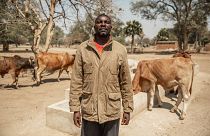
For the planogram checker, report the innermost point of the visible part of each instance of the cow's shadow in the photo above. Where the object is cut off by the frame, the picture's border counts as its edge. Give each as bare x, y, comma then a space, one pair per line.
13, 87
168, 105
49, 80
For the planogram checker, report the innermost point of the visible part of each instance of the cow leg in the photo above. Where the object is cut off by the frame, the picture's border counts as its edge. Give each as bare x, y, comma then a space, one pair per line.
185, 105
179, 100
186, 99
59, 74
150, 97
38, 74
15, 79
34, 72
158, 96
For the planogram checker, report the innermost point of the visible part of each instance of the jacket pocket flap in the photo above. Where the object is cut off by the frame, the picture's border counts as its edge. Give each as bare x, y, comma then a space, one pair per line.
86, 93
114, 96
113, 71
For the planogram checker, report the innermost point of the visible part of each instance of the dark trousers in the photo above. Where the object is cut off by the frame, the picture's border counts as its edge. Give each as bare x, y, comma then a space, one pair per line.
110, 128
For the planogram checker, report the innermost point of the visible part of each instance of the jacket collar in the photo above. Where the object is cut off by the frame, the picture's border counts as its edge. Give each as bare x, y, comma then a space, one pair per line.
92, 44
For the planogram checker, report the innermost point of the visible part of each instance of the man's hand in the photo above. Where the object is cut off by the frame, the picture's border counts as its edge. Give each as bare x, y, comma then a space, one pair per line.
77, 118
126, 118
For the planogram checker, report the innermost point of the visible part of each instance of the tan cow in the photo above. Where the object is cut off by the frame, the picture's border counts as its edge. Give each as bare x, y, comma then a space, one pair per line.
51, 62
169, 73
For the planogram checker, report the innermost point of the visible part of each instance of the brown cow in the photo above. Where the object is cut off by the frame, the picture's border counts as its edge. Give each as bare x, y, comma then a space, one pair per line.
51, 62
168, 73
14, 65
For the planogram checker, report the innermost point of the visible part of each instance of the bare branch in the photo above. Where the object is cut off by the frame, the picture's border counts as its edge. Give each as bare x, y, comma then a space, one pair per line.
42, 8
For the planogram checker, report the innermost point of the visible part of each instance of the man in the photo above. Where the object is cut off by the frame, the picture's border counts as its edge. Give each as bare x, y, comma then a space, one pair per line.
100, 79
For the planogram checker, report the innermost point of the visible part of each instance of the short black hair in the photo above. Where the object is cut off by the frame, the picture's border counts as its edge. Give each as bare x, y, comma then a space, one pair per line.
103, 14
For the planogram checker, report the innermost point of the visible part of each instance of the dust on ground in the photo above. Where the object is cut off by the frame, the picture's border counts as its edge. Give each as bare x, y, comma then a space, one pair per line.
22, 111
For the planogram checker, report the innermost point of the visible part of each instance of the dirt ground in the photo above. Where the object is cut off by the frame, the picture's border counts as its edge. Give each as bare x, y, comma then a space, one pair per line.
22, 111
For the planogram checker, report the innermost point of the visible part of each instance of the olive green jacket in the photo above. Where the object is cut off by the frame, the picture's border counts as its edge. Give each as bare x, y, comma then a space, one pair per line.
100, 81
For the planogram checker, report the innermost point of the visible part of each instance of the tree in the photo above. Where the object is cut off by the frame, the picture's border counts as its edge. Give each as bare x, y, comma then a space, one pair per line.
146, 42
166, 34
163, 34
180, 11
58, 36
13, 28
77, 33
133, 28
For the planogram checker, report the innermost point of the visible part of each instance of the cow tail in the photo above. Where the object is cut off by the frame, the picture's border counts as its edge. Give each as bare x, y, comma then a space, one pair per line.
136, 79
192, 80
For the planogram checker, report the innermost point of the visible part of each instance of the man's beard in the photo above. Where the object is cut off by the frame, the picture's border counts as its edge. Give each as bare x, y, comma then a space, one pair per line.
104, 35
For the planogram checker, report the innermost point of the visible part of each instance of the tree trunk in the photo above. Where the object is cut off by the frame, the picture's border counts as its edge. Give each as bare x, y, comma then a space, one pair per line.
51, 25
5, 47
180, 43
132, 43
185, 47
196, 41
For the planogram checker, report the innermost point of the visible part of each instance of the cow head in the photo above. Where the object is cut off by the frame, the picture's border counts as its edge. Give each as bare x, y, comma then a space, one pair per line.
23, 62
32, 61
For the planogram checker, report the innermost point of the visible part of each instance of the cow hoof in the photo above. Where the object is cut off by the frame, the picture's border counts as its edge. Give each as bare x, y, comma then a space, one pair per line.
160, 104
150, 109
182, 116
173, 109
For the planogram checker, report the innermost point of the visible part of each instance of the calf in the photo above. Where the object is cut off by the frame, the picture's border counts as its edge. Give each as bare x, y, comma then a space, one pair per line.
51, 62
14, 65
169, 73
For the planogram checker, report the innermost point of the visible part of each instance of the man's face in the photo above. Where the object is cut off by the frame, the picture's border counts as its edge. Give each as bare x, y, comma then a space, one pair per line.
103, 26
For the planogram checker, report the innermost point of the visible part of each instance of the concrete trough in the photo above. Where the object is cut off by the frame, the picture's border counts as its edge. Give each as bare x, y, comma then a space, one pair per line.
60, 118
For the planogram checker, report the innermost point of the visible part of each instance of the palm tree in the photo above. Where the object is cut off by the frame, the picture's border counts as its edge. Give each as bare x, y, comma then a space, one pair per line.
133, 28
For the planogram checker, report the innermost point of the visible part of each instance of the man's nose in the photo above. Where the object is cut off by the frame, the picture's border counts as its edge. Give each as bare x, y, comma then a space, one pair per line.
103, 23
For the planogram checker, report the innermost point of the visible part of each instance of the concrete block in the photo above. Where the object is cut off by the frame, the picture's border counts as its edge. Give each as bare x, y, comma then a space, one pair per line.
60, 118
67, 93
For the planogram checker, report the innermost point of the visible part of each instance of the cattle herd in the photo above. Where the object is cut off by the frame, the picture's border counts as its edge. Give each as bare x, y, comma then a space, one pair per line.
49, 62
177, 71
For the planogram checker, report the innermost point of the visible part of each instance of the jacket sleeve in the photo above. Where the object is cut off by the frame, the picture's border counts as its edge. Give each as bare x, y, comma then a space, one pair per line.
76, 83
125, 85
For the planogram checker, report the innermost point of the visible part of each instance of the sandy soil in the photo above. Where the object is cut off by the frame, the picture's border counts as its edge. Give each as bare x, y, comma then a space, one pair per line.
22, 111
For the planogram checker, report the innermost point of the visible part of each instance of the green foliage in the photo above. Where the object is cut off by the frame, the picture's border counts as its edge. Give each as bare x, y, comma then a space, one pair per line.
117, 27
13, 29
189, 15
120, 39
163, 34
133, 28
58, 36
77, 33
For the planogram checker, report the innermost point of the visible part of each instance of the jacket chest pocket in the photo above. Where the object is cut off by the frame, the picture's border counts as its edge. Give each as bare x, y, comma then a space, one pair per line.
114, 72
88, 70
113, 103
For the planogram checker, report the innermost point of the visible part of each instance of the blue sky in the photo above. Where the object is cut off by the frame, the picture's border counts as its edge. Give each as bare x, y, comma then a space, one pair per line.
150, 28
